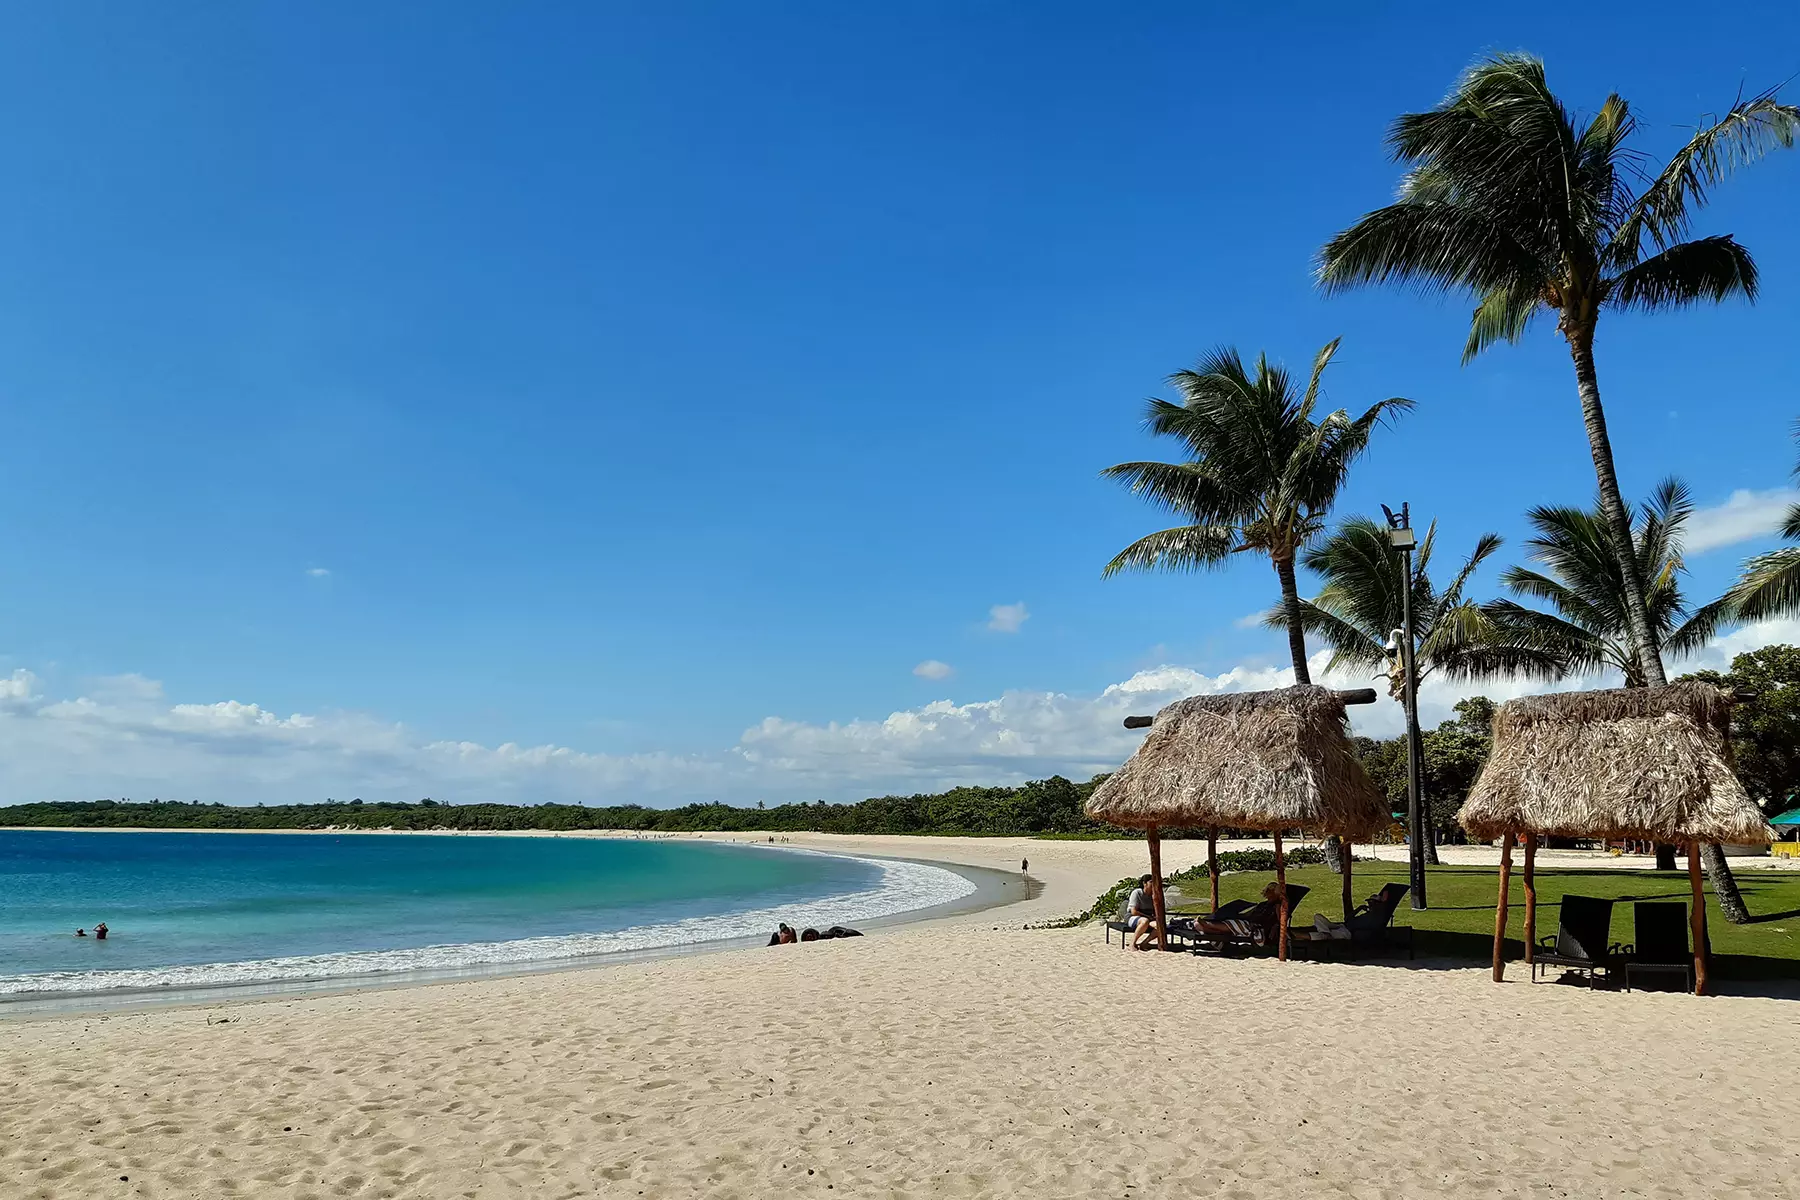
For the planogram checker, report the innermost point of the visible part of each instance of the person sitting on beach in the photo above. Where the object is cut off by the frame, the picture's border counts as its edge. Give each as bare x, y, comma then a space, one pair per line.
100, 931
809, 935
1140, 915
783, 936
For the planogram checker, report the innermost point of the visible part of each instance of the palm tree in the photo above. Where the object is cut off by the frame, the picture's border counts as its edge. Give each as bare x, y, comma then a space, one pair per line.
1360, 605
1261, 476
1770, 584
1585, 628
1507, 199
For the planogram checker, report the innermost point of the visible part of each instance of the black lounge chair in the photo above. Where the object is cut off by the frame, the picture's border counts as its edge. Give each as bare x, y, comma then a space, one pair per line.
1182, 925
1661, 948
1178, 924
1257, 925
1373, 921
1580, 940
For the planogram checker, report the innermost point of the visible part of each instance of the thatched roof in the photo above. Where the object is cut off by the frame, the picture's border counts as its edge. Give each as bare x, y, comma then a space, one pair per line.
1248, 760
1627, 762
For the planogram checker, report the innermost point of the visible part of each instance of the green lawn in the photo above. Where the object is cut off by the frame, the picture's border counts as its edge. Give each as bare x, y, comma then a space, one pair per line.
1460, 921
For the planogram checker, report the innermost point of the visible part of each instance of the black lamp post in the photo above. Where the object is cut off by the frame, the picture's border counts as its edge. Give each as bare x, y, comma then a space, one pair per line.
1400, 537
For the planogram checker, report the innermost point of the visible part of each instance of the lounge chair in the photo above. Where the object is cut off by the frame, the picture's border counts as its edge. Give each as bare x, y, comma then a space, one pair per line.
1177, 924
1661, 948
1373, 921
1182, 926
1580, 940
1257, 925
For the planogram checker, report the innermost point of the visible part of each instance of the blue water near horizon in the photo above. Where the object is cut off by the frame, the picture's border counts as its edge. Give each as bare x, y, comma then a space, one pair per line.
198, 909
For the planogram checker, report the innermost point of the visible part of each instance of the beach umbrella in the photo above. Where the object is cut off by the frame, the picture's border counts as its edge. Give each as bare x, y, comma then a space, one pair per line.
1272, 760
1651, 763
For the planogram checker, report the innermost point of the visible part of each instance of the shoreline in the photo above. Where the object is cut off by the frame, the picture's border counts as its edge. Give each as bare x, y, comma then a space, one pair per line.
990, 889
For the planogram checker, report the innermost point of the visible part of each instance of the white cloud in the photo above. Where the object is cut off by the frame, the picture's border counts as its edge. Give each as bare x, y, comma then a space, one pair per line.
1007, 618
19, 688
318, 572
1743, 516
1251, 620
931, 668
123, 736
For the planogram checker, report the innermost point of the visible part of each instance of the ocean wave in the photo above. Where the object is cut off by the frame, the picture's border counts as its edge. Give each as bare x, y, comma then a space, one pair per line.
903, 887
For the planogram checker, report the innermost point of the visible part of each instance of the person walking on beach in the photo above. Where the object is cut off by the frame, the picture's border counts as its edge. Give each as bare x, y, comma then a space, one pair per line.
1140, 915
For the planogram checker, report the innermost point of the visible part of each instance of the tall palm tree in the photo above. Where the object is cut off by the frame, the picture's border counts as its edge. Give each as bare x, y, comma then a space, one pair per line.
1770, 583
1585, 588
1583, 628
1261, 474
1508, 199
1361, 603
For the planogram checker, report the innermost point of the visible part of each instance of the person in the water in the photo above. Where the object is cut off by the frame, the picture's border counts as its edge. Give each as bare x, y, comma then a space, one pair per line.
100, 931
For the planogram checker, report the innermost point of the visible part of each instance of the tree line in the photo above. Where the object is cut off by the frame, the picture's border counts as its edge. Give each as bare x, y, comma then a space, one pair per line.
1765, 743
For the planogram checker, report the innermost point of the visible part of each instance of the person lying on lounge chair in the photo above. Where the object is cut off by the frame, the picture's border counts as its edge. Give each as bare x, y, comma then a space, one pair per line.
1243, 924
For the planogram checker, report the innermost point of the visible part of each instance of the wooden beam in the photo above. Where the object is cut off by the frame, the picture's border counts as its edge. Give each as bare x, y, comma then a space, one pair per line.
1156, 889
1698, 918
1530, 895
1212, 864
1500, 909
1281, 881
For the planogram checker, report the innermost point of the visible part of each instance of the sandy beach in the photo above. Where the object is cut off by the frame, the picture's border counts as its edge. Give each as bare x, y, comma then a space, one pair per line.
962, 1057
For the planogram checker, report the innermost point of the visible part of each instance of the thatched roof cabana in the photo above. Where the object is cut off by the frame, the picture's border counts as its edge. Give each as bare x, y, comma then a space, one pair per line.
1651, 763
1246, 760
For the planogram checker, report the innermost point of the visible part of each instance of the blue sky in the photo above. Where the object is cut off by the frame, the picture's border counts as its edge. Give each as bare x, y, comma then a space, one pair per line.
598, 383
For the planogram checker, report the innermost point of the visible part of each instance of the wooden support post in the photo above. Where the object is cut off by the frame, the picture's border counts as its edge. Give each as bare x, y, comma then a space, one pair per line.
1698, 919
1500, 909
1212, 864
1281, 881
1349, 903
1530, 895
1156, 889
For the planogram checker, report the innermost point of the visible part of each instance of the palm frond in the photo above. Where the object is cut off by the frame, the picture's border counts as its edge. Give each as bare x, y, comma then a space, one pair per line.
1710, 268
1749, 131
1503, 315
1184, 548
1351, 646
1768, 587
1695, 633
1436, 247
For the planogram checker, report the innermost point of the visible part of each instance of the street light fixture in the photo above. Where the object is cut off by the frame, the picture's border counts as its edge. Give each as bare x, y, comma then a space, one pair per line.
1401, 538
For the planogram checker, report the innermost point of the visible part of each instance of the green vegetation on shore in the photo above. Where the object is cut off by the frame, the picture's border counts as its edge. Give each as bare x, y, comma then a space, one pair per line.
1051, 805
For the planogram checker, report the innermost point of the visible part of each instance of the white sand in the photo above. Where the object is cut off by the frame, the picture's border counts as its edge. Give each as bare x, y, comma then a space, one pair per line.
947, 1059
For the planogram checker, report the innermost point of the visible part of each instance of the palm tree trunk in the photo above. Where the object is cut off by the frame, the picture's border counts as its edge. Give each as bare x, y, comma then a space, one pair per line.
1637, 609
1290, 606
1724, 884
1618, 519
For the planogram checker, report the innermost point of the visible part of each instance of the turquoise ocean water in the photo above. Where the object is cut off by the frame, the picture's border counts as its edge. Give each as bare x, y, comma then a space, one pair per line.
206, 909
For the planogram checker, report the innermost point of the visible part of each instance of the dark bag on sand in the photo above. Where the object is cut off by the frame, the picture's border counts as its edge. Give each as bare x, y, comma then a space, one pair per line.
838, 931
